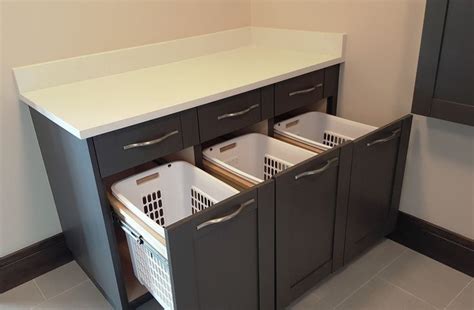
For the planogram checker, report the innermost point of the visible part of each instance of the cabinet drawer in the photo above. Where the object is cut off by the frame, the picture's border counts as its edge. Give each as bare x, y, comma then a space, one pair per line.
203, 252
299, 91
305, 211
227, 115
378, 162
135, 145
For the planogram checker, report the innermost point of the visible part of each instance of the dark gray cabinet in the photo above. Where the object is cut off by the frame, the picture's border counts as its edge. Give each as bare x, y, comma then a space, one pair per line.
305, 206
283, 235
445, 74
378, 162
225, 265
309, 199
299, 91
230, 114
135, 145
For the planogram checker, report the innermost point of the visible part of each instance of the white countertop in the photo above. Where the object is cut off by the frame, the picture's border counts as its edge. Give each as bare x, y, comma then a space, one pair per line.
90, 107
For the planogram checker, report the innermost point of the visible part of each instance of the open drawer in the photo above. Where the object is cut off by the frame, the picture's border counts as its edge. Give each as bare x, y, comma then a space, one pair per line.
306, 203
376, 171
196, 261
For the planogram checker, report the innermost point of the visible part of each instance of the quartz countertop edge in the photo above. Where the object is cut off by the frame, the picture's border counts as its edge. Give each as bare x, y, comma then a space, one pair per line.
102, 104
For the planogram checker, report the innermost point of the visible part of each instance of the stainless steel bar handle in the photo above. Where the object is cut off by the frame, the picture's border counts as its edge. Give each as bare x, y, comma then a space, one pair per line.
392, 136
234, 114
317, 171
151, 142
227, 217
305, 91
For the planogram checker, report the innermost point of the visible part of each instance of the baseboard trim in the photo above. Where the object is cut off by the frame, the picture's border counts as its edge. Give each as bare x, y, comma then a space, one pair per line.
33, 261
436, 242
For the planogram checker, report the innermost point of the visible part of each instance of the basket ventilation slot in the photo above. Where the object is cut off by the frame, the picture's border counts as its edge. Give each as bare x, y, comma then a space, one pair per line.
272, 165
331, 138
200, 200
153, 207
157, 278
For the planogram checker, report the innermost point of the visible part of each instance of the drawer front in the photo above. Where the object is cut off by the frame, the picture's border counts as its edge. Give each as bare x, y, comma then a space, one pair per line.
135, 145
378, 159
305, 205
299, 91
206, 251
227, 115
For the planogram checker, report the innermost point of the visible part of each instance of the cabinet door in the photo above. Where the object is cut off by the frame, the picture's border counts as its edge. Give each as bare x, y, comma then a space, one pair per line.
378, 163
445, 72
222, 257
305, 215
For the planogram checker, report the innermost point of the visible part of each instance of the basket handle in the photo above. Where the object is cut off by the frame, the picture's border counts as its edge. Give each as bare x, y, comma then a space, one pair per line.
227, 217
150, 142
394, 134
305, 91
317, 171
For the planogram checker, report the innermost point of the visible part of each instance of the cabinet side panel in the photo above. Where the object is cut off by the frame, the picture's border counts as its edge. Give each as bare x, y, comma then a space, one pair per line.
343, 184
84, 219
399, 173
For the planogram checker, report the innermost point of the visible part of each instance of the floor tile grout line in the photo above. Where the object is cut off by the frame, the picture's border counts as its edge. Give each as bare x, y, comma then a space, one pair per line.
62, 293
408, 292
458, 294
39, 289
371, 278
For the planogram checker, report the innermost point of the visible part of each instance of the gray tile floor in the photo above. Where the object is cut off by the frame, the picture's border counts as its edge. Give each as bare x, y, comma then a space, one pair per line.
389, 276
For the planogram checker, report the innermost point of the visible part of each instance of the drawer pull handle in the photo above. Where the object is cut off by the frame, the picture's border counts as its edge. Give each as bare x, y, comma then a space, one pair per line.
305, 91
227, 217
151, 142
234, 114
394, 134
317, 171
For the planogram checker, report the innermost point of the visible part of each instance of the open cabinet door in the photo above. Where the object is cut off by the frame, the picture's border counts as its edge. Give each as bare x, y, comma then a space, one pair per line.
378, 165
222, 257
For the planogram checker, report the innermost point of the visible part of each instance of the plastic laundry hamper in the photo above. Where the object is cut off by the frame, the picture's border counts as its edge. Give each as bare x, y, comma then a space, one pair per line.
255, 157
321, 130
157, 198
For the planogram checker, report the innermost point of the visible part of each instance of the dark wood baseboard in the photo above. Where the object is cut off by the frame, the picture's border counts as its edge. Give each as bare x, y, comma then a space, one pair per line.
33, 261
436, 242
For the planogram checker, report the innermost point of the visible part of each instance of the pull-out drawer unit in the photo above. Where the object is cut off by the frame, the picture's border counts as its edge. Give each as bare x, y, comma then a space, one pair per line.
185, 230
320, 130
377, 165
299, 91
254, 157
229, 114
135, 145
306, 191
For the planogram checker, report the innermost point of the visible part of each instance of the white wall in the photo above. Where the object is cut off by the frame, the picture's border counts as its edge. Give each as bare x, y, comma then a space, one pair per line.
39, 31
439, 176
377, 86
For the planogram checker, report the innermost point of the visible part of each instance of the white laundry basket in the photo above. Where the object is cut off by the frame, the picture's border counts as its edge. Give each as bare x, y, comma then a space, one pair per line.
321, 130
255, 157
159, 197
